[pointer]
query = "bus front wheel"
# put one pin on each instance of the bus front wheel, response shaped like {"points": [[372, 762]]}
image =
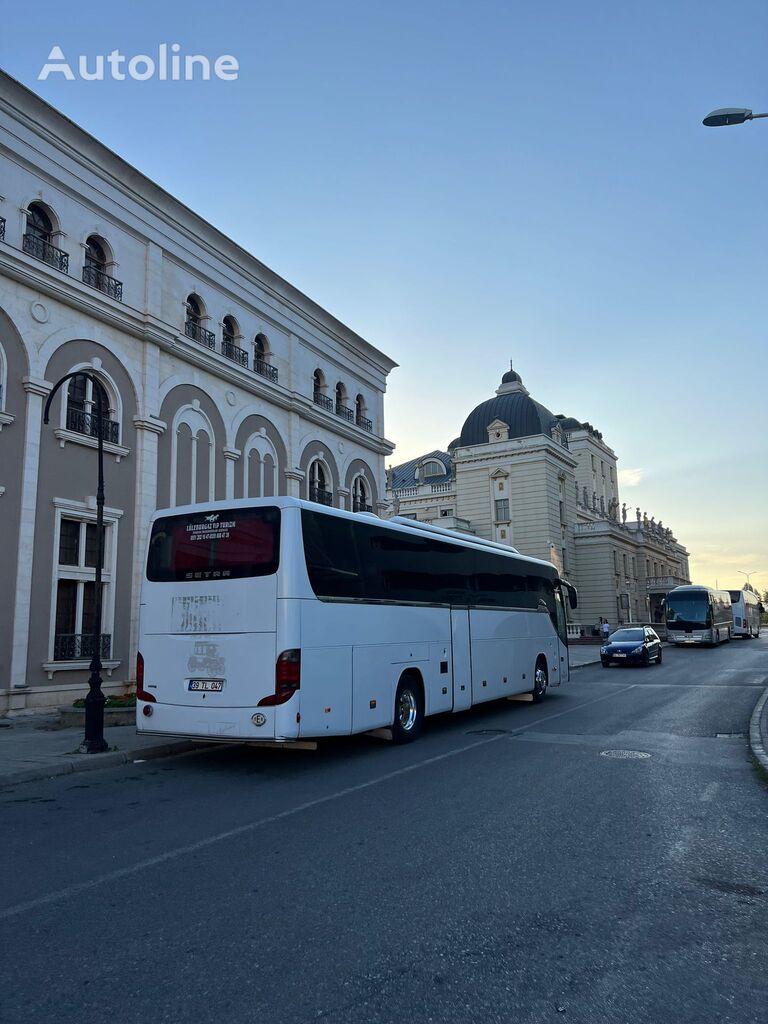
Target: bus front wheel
{"points": [[540, 681], [409, 710]]}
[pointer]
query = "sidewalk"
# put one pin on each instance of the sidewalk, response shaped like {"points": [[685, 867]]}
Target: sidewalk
{"points": [[584, 654], [32, 747]]}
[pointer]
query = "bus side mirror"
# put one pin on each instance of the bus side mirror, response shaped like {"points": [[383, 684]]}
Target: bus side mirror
{"points": [[573, 597]]}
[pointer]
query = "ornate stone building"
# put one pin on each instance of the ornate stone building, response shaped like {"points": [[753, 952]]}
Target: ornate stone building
{"points": [[547, 485], [218, 379]]}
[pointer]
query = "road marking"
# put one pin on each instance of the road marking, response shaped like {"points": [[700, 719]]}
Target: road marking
{"points": [[201, 844]]}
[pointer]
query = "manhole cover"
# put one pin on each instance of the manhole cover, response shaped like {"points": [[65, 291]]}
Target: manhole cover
{"points": [[626, 755]]}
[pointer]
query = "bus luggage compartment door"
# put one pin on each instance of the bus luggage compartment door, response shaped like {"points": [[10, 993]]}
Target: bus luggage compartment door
{"points": [[461, 659]]}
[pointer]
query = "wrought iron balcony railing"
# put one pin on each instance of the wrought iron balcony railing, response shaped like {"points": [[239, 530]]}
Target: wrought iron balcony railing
{"points": [[323, 401], [265, 369], [79, 646], [345, 413], [197, 333], [234, 352], [42, 250], [360, 506], [320, 495], [88, 423], [364, 422], [103, 282], [2, 229]]}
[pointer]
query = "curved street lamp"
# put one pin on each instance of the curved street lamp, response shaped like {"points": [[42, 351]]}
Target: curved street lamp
{"points": [[752, 572], [93, 741], [729, 115]]}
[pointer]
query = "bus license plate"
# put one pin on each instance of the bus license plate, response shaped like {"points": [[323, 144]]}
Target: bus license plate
{"points": [[210, 685]]}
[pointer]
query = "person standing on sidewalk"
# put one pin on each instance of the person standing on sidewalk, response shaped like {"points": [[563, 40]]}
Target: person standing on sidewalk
{"points": [[605, 629]]}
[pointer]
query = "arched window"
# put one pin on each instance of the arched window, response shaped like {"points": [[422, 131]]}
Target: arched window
{"points": [[95, 255], [193, 464], [193, 324], [39, 224], [83, 395], [229, 331], [341, 396], [97, 259], [319, 389], [230, 335], [360, 495], [260, 348], [432, 468], [259, 467], [39, 235], [318, 483], [361, 419]]}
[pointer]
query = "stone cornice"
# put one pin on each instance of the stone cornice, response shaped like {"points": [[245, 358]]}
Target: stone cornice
{"points": [[37, 386], [150, 424]]}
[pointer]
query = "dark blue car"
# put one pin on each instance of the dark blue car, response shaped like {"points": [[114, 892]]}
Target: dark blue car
{"points": [[639, 646]]}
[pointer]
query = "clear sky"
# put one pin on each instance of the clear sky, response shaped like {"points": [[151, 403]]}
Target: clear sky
{"points": [[465, 183]]}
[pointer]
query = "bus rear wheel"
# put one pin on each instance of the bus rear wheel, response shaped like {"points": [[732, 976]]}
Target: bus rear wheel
{"points": [[409, 710], [540, 681]]}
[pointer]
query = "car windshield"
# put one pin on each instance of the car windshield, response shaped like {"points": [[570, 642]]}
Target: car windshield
{"points": [[625, 636]]}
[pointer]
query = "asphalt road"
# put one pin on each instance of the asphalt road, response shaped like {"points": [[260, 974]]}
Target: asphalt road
{"points": [[602, 857]]}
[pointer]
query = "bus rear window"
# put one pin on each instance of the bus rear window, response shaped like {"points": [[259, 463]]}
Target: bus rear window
{"points": [[214, 545]]}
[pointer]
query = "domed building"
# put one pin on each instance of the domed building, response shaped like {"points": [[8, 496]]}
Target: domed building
{"points": [[546, 484]]}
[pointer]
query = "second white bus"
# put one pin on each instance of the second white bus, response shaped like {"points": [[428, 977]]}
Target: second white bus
{"points": [[747, 609], [698, 615], [280, 620]]}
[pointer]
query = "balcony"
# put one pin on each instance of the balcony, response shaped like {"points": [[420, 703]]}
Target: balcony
{"points": [[323, 401], [42, 250], [231, 351], [360, 506], [364, 422], [320, 495], [345, 413], [197, 333], [103, 282], [79, 646], [81, 422], [265, 369], [2, 229]]}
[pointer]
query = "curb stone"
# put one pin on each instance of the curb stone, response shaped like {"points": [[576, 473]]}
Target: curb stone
{"points": [[758, 736], [109, 759]]}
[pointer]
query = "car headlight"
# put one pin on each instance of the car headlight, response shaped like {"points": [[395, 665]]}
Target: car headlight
{"points": [[603, 650], [638, 650]]}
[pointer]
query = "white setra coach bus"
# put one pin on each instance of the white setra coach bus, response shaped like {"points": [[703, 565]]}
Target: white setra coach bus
{"points": [[281, 620], [747, 609]]}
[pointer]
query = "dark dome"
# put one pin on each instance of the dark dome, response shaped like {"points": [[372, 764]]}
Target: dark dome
{"points": [[524, 416], [455, 443], [570, 423], [511, 377]]}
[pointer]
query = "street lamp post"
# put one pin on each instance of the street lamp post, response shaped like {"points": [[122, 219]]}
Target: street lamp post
{"points": [[752, 572], [93, 741], [730, 115]]}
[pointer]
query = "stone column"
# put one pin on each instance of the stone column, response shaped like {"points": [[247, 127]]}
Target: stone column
{"points": [[294, 479], [148, 431], [36, 390], [231, 455], [344, 499]]}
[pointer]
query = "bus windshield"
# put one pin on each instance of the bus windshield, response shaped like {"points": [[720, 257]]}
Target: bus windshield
{"points": [[231, 544], [689, 612]]}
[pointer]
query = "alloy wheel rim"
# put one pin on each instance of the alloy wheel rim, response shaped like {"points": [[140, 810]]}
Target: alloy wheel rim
{"points": [[406, 710]]}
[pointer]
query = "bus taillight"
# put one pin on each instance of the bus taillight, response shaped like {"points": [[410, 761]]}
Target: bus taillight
{"points": [[287, 678], [141, 693]]}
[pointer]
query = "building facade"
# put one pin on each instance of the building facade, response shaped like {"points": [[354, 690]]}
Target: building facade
{"points": [[547, 485], [216, 379]]}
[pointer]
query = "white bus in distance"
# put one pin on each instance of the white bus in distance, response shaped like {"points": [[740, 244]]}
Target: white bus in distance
{"points": [[698, 615], [747, 609], [281, 620]]}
